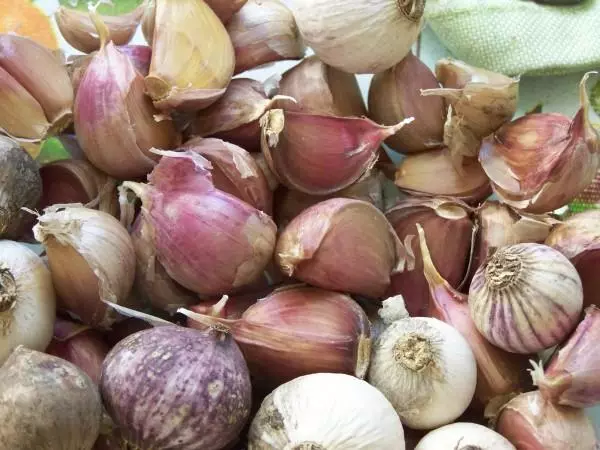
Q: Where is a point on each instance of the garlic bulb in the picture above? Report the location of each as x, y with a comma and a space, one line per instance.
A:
326, 411
419, 364
358, 36
91, 259
526, 298
27, 302
464, 436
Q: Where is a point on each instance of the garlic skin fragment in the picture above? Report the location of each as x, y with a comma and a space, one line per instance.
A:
312, 411
32, 107
464, 436
357, 36
526, 298
418, 364
91, 258
79, 31
192, 56
263, 31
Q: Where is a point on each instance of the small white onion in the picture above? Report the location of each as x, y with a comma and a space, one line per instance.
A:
326, 411
359, 36
464, 436
27, 301
426, 369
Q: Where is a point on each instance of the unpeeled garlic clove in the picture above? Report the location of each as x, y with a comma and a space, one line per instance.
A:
290, 203
342, 244
79, 31
480, 102
318, 154
449, 227
540, 162
322, 89
192, 56
433, 173
225, 9
395, 94
263, 31
115, 122
32, 107
235, 171
235, 116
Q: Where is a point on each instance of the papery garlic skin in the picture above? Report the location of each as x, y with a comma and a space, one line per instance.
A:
526, 298
358, 36
91, 259
79, 31
192, 56
27, 300
32, 106
464, 436
263, 31
419, 364
312, 412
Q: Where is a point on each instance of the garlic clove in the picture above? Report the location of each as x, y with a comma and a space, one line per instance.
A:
225, 9
578, 238
322, 89
91, 260
34, 106
263, 31
235, 116
448, 225
433, 173
318, 154
357, 36
395, 94
79, 31
115, 122
192, 56
539, 162
148, 20
235, 171
470, 91
526, 298
314, 248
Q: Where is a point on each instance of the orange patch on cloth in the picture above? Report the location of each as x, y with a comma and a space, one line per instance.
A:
22, 17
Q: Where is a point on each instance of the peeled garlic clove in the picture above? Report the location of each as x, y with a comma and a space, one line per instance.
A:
290, 203
578, 238
448, 225
235, 116
20, 187
235, 171
115, 122
433, 173
395, 94
32, 106
233, 242
79, 31
77, 181
318, 154
152, 282
315, 248
91, 259
480, 102
571, 378
526, 298
540, 162
530, 422
192, 56
360, 37
263, 31
322, 89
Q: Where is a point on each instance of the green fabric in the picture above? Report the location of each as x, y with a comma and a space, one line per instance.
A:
519, 37
117, 7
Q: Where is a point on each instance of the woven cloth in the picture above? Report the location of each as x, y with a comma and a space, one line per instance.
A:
519, 37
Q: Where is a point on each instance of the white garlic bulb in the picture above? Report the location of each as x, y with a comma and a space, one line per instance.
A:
526, 298
464, 436
359, 36
426, 369
326, 411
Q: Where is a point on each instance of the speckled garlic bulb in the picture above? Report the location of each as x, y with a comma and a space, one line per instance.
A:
419, 364
526, 298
